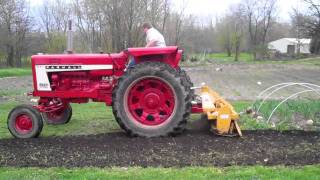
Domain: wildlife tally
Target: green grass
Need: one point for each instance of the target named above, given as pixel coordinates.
(253, 172)
(11, 93)
(11, 72)
(222, 57)
(203, 59)
(244, 57)
(246, 121)
(284, 115)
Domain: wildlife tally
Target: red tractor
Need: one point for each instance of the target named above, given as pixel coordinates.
(153, 98)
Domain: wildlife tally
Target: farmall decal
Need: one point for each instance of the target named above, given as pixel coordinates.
(64, 67)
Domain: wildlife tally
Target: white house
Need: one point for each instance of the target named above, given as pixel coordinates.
(290, 45)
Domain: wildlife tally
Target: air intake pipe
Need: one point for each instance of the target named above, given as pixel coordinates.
(70, 38)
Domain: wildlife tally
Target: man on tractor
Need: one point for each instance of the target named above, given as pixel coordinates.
(153, 39)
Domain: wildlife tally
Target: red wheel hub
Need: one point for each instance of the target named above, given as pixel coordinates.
(23, 124)
(151, 101)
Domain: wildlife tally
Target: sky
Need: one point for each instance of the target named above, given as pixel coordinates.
(206, 8)
(219, 7)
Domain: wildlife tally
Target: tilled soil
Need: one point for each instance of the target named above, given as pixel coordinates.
(16, 89)
(190, 149)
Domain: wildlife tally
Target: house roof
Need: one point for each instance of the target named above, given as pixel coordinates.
(296, 40)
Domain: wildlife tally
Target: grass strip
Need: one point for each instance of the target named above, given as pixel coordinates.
(13, 72)
(250, 172)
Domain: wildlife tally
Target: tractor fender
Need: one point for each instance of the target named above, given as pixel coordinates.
(170, 55)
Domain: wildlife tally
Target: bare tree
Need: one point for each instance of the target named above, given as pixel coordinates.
(230, 30)
(238, 30)
(175, 24)
(311, 24)
(133, 20)
(259, 16)
(116, 24)
(90, 23)
(54, 17)
(14, 21)
(166, 12)
(224, 32)
(22, 27)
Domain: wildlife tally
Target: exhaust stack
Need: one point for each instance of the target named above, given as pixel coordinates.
(70, 38)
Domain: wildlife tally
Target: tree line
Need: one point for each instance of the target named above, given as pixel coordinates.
(113, 25)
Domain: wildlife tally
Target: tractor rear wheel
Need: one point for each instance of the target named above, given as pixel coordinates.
(186, 80)
(152, 100)
(25, 121)
(61, 116)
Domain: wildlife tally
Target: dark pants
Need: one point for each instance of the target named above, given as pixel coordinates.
(132, 63)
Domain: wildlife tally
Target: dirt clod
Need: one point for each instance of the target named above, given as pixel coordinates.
(309, 122)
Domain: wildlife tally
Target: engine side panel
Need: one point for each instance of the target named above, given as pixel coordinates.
(77, 76)
(43, 71)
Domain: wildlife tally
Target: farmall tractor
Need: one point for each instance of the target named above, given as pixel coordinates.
(153, 98)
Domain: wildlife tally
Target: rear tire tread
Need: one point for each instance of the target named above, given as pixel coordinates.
(180, 76)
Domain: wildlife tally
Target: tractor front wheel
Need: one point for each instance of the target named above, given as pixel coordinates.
(25, 122)
(152, 100)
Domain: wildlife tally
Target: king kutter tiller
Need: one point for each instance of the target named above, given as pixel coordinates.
(153, 98)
